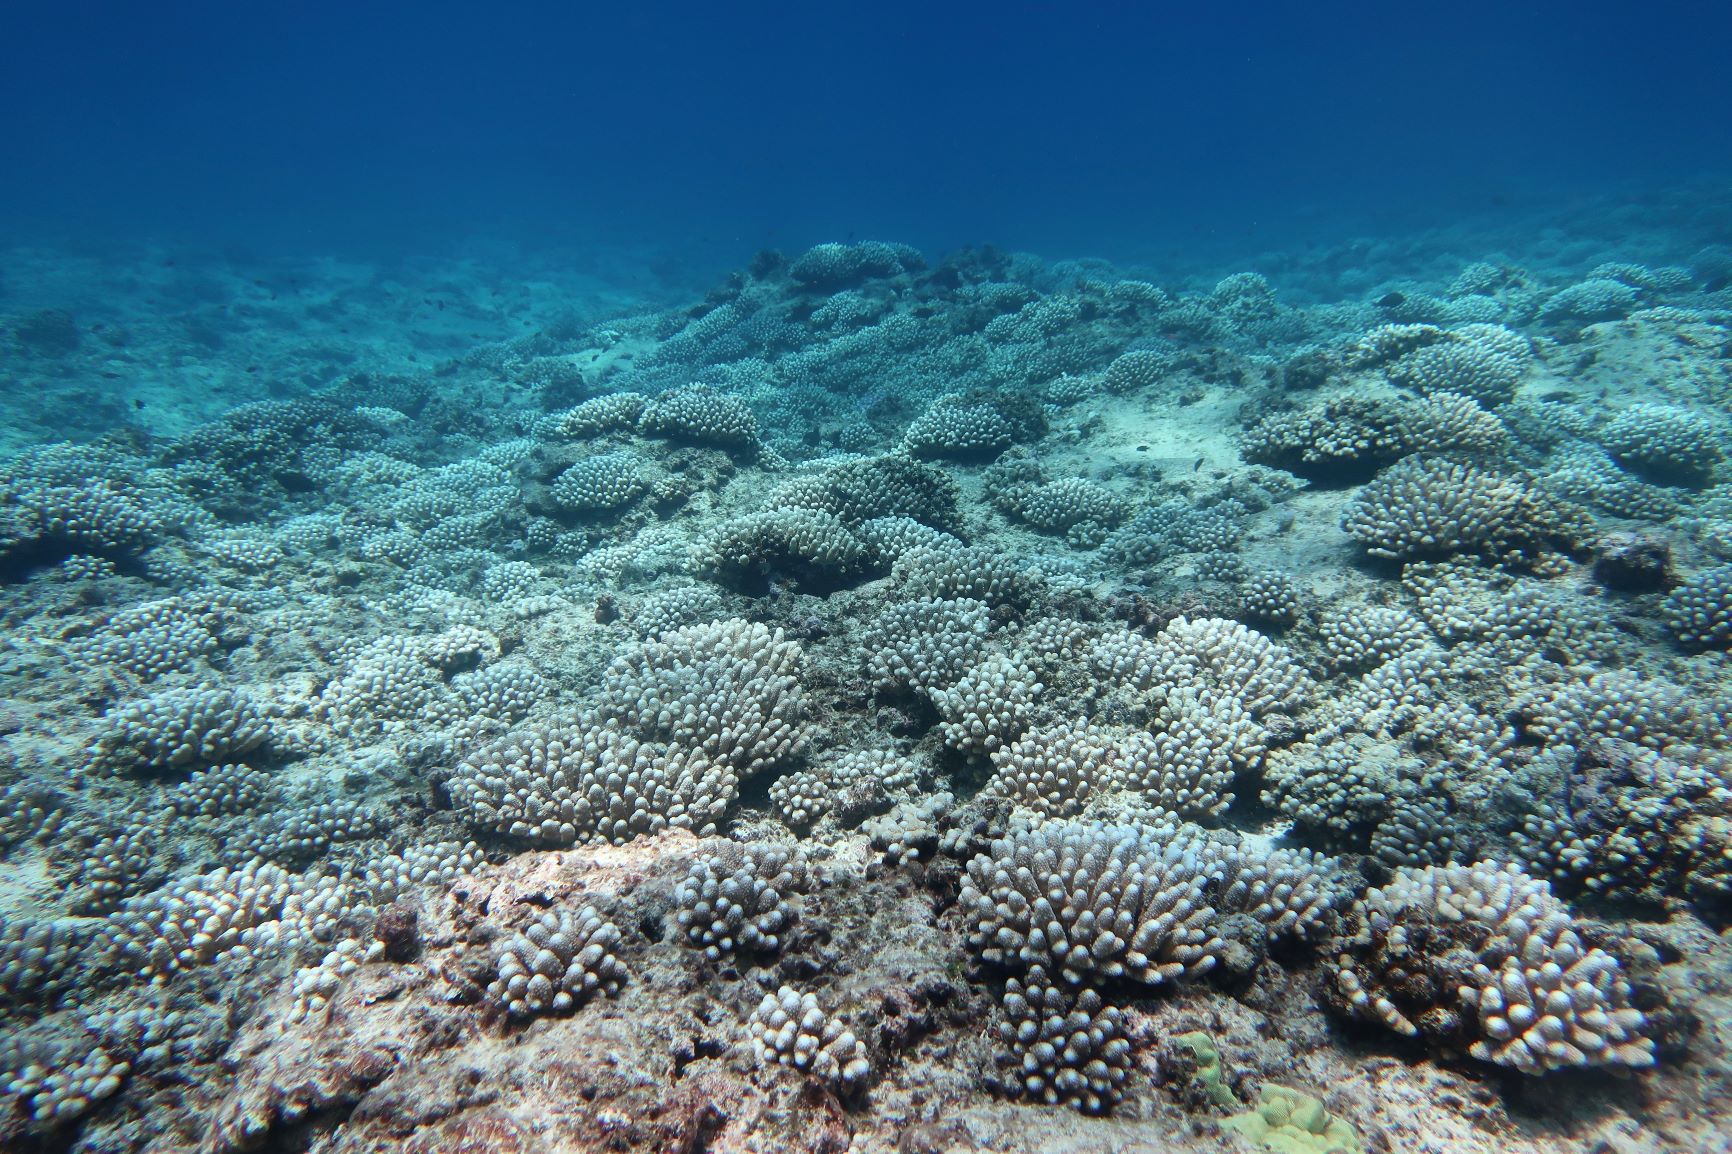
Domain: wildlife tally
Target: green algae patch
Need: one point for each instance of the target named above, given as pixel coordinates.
(1291, 1122)
(1211, 1075)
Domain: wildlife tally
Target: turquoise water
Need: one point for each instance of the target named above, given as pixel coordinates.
(864, 578)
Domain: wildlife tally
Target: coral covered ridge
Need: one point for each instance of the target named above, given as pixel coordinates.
(893, 701)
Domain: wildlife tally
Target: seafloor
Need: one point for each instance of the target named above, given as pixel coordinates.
(879, 702)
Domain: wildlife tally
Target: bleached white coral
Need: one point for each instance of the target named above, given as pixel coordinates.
(728, 689)
(1093, 901)
(1504, 954)
(792, 1029)
(560, 785)
(557, 964)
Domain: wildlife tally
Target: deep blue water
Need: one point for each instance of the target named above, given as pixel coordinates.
(707, 131)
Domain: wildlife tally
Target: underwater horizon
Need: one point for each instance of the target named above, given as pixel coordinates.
(865, 578)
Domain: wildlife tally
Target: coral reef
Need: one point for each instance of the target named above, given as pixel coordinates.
(601, 483)
(857, 705)
(1487, 957)
(1092, 901)
(1350, 438)
(1699, 611)
(558, 963)
(1481, 361)
(734, 902)
(702, 416)
(805, 547)
(1664, 443)
(790, 1028)
(181, 729)
(1431, 507)
(561, 786)
(1061, 1046)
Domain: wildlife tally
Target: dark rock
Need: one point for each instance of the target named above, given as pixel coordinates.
(1633, 563)
(398, 928)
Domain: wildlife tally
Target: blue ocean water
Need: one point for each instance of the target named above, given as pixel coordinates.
(1134, 132)
(865, 576)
